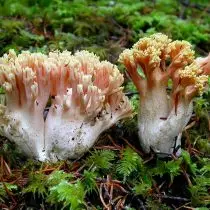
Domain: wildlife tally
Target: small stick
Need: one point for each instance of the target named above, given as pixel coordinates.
(132, 147)
(173, 197)
(101, 196)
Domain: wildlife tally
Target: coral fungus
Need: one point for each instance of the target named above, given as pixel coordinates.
(204, 63)
(86, 99)
(153, 63)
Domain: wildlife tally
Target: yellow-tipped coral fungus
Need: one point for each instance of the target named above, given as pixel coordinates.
(86, 99)
(204, 63)
(164, 113)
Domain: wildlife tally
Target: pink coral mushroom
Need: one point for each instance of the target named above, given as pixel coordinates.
(204, 63)
(86, 99)
(152, 63)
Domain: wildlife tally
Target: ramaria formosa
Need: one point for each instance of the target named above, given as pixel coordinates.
(86, 99)
(153, 63)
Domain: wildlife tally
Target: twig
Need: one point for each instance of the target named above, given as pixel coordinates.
(141, 207)
(107, 147)
(117, 146)
(132, 147)
(184, 172)
(101, 196)
(187, 177)
(150, 158)
(190, 125)
(177, 198)
(10, 194)
(120, 203)
(183, 206)
(111, 194)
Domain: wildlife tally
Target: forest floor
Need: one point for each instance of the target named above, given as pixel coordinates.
(115, 174)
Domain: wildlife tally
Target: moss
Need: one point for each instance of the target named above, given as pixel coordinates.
(116, 172)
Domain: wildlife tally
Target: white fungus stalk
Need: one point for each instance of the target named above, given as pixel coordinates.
(86, 99)
(164, 113)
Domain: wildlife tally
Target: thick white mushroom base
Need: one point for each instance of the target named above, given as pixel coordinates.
(71, 139)
(160, 128)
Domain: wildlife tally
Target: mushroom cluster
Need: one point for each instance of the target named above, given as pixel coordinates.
(154, 64)
(85, 99)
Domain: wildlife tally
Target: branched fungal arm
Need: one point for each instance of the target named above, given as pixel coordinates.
(163, 114)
